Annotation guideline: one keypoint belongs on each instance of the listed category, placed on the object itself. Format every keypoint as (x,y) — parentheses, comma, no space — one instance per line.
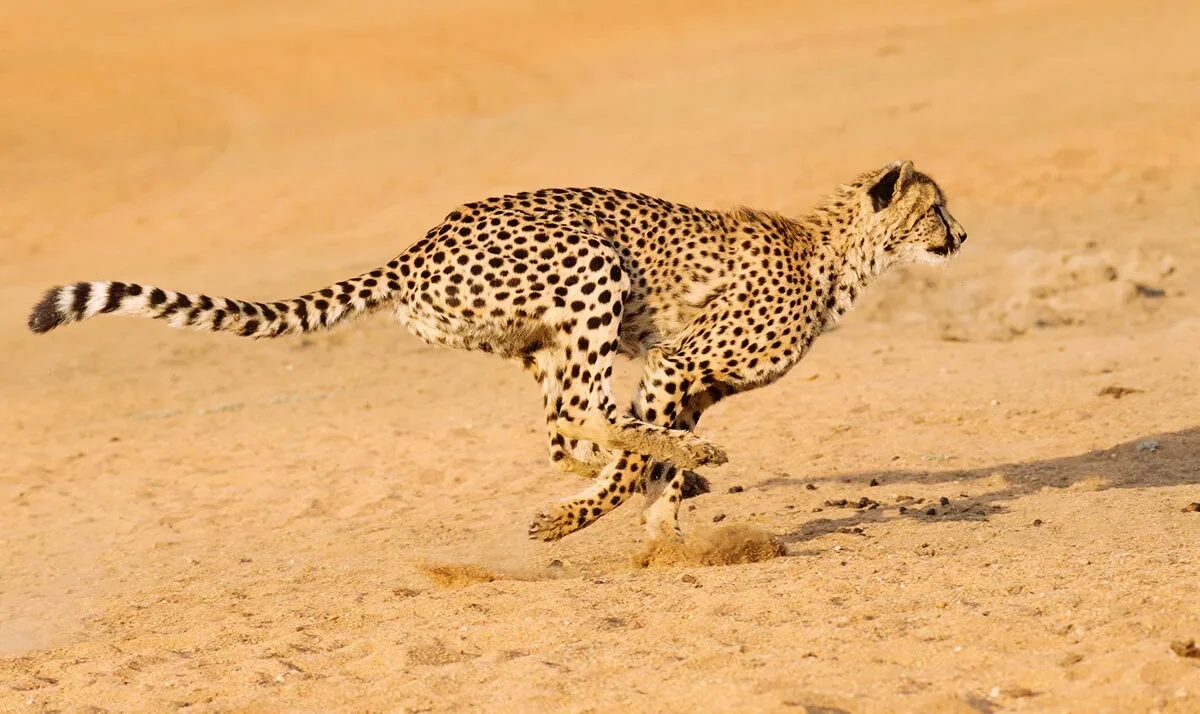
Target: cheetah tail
(308,313)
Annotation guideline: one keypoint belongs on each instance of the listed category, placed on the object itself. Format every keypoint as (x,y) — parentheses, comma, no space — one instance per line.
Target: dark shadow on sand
(1174,460)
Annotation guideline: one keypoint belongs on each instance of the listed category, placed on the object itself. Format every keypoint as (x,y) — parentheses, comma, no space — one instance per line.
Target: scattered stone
(718,518)
(902,499)
(818,509)
(851,531)
(1192,508)
(874,482)
(839,503)
(1037,522)
(1013,692)
(1147,445)
(931,512)
(1185,649)
(1117,392)
(810,487)
(903,509)
(691,580)
(944,501)
(736,489)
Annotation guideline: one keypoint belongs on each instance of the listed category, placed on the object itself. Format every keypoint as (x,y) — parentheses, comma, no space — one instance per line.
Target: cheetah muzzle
(562,280)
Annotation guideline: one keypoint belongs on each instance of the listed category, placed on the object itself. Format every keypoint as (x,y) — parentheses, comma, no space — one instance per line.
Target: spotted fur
(560,281)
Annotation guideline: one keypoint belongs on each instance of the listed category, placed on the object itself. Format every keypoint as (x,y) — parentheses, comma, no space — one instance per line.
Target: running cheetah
(562,280)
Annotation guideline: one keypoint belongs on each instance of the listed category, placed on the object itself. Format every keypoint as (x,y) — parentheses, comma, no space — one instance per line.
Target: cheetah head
(908,218)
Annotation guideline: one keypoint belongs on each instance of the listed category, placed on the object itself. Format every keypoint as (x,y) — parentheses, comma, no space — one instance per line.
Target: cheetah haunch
(562,280)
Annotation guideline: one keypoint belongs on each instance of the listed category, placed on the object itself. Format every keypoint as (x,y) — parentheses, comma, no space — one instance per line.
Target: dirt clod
(736,489)
(733,544)
(1185,649)
(1193,507)
(718,518)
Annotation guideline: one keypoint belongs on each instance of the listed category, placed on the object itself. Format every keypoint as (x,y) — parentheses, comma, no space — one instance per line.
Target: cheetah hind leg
(693,483)
(677,447)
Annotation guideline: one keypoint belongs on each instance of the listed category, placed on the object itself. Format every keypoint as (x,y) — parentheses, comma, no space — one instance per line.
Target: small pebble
(1192,508)
(874,482)
(810,487)
(1148,445)
(944,501)
(1185,649)
(691,579)
(903,509)
(1037,521)
(718,518)
(736,489)
(931,512)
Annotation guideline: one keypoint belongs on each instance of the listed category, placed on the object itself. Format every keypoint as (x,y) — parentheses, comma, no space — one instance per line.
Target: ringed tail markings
(314,311)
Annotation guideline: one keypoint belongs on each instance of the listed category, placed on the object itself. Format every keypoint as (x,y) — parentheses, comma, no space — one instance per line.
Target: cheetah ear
(890,183)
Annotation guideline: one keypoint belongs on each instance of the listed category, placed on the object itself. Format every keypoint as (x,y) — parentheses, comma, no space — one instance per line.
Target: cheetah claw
(552,524)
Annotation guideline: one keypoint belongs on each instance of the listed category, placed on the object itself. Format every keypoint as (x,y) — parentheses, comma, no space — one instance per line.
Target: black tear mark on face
(881,193)
(945,247)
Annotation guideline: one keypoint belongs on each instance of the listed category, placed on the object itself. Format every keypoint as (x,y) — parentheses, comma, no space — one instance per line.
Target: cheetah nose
(962,239)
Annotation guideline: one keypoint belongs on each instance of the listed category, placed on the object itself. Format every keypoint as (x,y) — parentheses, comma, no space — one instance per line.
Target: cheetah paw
(551,524)
(694,485)
(586,469)
(677,447)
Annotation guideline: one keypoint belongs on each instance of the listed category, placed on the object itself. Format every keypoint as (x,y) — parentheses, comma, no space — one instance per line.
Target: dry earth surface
(191,522)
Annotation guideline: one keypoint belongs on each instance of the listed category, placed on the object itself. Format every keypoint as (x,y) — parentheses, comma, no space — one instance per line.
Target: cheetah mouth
(943,250)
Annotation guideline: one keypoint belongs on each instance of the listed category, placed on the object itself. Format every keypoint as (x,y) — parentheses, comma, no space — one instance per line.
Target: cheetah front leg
(661,474)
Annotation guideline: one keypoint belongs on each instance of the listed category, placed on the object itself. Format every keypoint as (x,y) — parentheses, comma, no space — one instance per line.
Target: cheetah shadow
(1174,460)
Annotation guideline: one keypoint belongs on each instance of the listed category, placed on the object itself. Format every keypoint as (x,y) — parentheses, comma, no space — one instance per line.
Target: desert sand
(191,522)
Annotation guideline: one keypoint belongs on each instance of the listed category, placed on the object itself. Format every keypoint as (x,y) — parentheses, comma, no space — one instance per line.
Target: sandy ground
(192,522)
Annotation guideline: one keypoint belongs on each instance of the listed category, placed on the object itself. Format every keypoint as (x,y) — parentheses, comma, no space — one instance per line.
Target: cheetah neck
(847,259)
